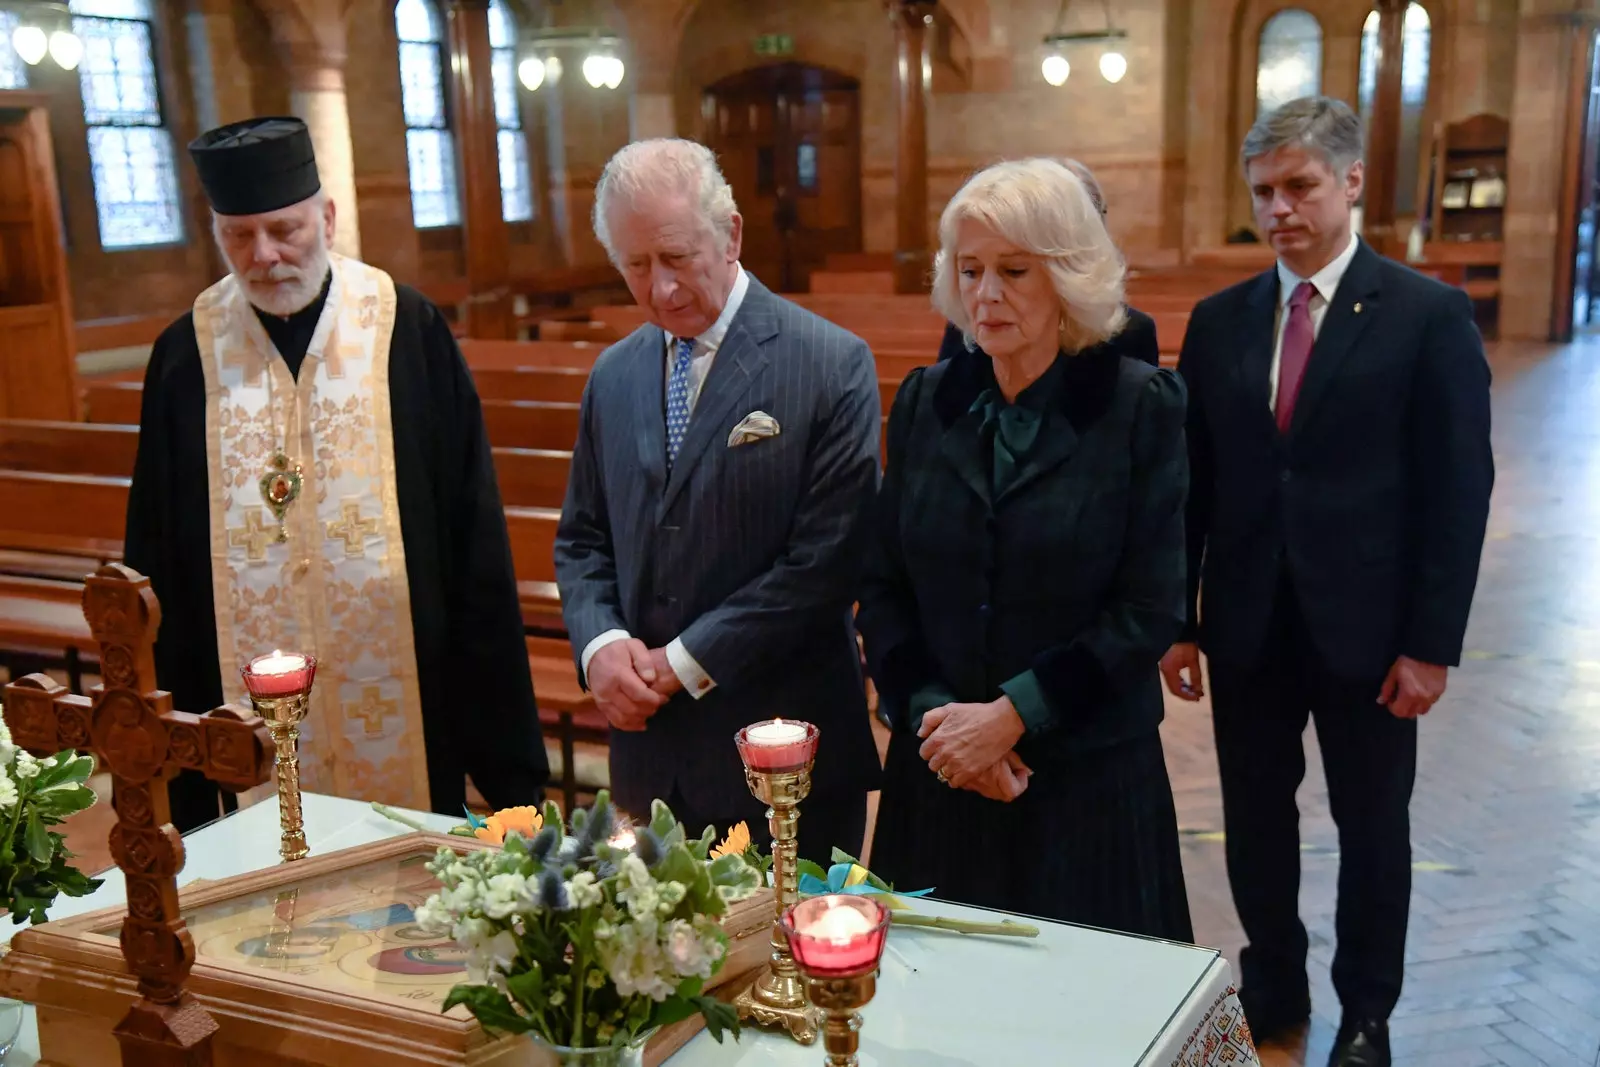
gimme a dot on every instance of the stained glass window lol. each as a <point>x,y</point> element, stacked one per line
<point>1289,61</point>
<point>13,71</point>
<point>430,151</point>
<point>130,150</point>
<point>516,196</point>
<point>1416,42</point>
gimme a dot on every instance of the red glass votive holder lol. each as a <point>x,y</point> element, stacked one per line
<point>837,936</point>
<point>281,674</point>
<point>777,745</point>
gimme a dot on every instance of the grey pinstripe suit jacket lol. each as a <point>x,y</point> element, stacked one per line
<point>750,554</point>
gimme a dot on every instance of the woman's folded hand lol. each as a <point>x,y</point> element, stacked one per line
<point>963,741</point>
<point>1005,781</point>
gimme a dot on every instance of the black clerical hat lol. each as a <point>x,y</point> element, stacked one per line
<point>256,165</point>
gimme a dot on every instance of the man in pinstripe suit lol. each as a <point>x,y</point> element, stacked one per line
<point>710,543</point>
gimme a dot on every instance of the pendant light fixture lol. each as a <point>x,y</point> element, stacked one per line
<point>1113,64</point>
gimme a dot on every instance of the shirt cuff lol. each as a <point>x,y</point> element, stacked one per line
<point>606,638</point>
<point>690,674</point>
<point>925,700</point>
<point>1027,696</point>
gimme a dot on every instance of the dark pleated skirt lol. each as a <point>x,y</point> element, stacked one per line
<point>1094,841</point>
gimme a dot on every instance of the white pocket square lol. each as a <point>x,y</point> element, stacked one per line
<point>753,427</point>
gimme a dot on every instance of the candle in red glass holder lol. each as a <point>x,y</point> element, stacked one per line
<point>835,936</point>
<point>777,745</point>
<point>282,674</point>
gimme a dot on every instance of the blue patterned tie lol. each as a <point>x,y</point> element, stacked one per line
<point>678,399</point>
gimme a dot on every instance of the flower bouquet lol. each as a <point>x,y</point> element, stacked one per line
<point>585,937</point>
<point>36,794</point>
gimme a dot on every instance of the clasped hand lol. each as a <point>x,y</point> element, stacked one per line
<point>971,746</point>
<point>630,682</point>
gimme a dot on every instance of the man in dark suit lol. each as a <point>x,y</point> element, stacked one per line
<point>715,520</point>
<point>1339,443</point>
<point>1137,340</point>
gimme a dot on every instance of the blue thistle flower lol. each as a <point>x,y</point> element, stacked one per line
<point>553,894</point>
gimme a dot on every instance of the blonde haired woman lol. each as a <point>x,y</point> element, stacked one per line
<point>1027,575</point>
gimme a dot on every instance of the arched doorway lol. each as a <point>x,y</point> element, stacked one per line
<point>788,137</point>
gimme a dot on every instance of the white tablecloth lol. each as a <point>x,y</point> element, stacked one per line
<point>1073,996</point>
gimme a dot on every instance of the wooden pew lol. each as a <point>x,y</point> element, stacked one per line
<point>562,385</point>
<point>513,355</point>
<point>531,477</point>
<point>68,447</point>
<point>113,401</point>
<point>852,281</point>
<point>531,424</point>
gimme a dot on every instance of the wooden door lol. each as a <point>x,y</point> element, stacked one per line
<point>38,378</point>
<point>789,140</point>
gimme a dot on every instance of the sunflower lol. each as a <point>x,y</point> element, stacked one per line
<point>735,844</point>
<point>524,820</point>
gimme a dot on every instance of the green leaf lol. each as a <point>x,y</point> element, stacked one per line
<point>63,800</point>
<point>528,988</point>
<point>805,867</point>
<point>720,1017</point>
<point>490,1007</point>
<point>552,815</point>
<point>41,843</point>
<point>672,1010</point>
<point>702,847</point>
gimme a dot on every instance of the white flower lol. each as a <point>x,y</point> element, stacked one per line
<point>461,898</point>
<point>27,766</point>
<point>508,894</point>
<point>583,891</point>
<point>672,894</point>
<point>685,949</point>
<point>634,959</point>
<point>639,892</point>
<point>8,793</point>
<point>433,916</point>
<point>494,957</point>
<point>557,998</point>
<point>471,931</point>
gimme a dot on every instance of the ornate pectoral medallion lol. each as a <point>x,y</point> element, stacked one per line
<point>280,487</point>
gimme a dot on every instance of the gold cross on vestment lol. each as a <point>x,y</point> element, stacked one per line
<point>352,529</point>
<point>253,536</point>
<point>334,356</point>
<point>247,355</point>
<point>372,710</point>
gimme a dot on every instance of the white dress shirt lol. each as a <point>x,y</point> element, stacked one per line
<point>692,676</point>
<point>1326,283</point>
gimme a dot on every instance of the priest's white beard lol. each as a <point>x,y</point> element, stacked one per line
<point>282,289</point>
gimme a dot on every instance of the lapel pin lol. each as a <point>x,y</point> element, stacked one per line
<point>1358,307</point>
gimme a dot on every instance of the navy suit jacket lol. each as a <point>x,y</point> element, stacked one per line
<point>1136,341</point>
<point>1375,500</point>
<point>749,553</point>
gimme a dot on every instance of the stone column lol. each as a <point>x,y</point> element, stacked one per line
<point>1546,137</point>
<point>316,95</point>
<point>221,75</point>
<point>911,19</point>
<point>651,115</point>
<point>486,241</point>
<point>1383,136</point>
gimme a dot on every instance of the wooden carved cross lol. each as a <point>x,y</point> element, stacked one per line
<point>131,729</point>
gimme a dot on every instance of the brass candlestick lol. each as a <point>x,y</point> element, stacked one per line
<point>780,778</point>
<point>282,699</point>
<point>840,1000</point>
<point>838,942</point>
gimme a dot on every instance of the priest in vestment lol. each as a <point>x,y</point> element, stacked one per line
<point>314,476</point>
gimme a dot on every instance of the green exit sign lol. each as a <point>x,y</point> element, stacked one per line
<point>774,44</point>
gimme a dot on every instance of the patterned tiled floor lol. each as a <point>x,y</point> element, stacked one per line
<point>1504,953</point>
<point>1505,944</point>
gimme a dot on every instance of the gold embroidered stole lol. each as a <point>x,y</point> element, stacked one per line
<point>337,588</point>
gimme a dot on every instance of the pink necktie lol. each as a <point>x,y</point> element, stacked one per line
<point>1297,340</point>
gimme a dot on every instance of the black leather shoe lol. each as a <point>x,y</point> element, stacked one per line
<point>1361,1043</point>
<point>1273,1015</point>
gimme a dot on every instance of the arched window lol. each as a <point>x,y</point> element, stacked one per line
<point>130,149</point>
<point>13,71</point>
<point>430,151</point>
<point>1415,44</point>
<point>516,194</point>
<point>1289,60</point>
